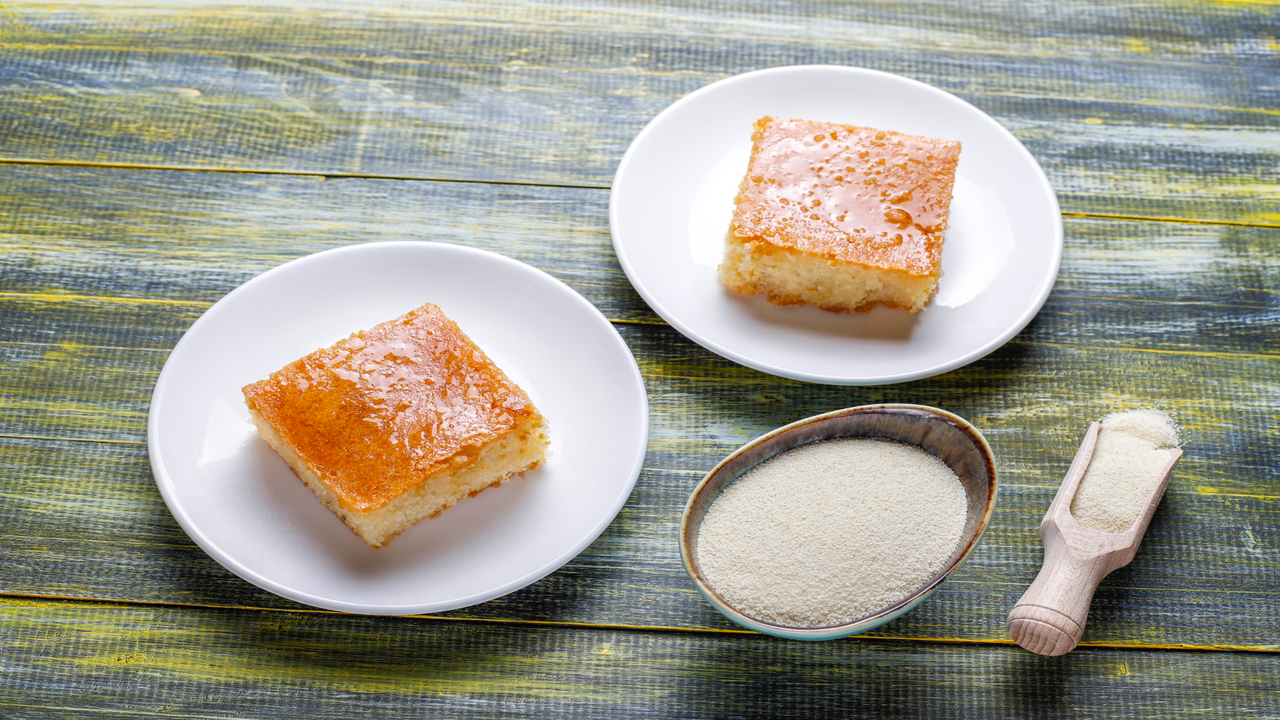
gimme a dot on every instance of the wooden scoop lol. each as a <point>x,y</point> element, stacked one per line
<point>1049,618</point>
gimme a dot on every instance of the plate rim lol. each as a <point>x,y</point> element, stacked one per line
<point>166,484</point>
<point>998,341</point>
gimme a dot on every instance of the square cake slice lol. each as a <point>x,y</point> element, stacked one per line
<point>397,423</point>
<point>840,216</point>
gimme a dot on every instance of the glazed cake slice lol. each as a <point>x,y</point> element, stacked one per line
<point>397,423</point>
<point>840,216</point>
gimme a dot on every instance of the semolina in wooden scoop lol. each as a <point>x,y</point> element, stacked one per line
<point>1095,524</point>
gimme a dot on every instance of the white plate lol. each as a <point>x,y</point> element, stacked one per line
<point>673,197</point>
<point>240,502</point>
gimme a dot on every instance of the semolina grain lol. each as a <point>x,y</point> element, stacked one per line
<point>1127,465</point>
<point>832,531</point>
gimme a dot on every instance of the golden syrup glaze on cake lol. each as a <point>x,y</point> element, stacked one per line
<point>376,413</point>
<point>873,197</point>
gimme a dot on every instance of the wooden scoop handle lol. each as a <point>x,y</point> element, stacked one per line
<point>1050,617</point>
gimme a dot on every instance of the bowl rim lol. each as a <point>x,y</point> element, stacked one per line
<point>886,614</point>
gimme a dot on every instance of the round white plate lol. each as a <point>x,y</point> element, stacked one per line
<point>673,198</point>
<point>240,502</point>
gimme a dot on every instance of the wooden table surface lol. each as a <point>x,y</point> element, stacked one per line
<point>155,155</point>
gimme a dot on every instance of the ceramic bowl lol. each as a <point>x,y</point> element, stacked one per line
<point>947,436</point>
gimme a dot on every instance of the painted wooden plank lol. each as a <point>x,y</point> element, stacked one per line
<point>579,34</point>
<point>93,385</point>
<point>104,269</point>
<point>135,237</point>
<point>84,368</point>
<point>191,237</point>
<point>697,420</point>
<point>84,520</point>
<point>102,289</point>
<point>1130,113</point>
<point>83,660</point>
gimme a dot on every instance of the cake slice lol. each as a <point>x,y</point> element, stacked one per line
<point>397,423</point>
<point>840,216</point>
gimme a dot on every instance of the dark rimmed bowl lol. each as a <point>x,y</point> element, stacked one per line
<point>947,436</point>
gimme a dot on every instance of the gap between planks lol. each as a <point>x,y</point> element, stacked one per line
<point>327,175</point>
<point>520,183</point>
<point>33,599</point>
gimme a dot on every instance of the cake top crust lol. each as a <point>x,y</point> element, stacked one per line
<point>378,412</point>
<point>874,197</point>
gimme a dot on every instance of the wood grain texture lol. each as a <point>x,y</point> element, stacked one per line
<point>1130,109</point>
<point>1164,110</point>
<point>85,520</point>
<point>83,660</point>
<point>100,391</point>
<point>132,238</point>
<point>105,268</point>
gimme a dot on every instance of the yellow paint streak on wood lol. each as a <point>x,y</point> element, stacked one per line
<point>73,439</point>
<point>479,676</point>
<point>87,409</point>
<point>63,352</point>
<point>1184,353</point>
<point>63,298</point>
<point>81,711</point>
<point>1165,218</point>
<point>191,660</point>
<point>72,249</point>
<point>1198,353</point>
<point>1136,45</point>
<point>1217,492</point>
